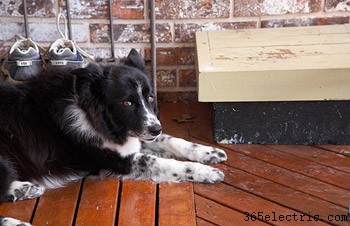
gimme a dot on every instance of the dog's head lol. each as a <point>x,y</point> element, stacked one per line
<point>127,98</point>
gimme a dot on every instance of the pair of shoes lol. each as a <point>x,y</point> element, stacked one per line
<point>24,60</point>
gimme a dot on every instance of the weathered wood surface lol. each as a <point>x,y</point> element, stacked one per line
<point>286,185</point>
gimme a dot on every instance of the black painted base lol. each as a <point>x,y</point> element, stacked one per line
<point>308,122</point>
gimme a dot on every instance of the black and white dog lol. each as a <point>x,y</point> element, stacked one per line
<point>63,126</point>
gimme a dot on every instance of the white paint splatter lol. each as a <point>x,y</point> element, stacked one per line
<point>275,7</point>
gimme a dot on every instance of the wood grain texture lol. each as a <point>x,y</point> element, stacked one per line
<point>98,203</point>
<point>57,206</point>
<point>176,204</point>
<point>138,203</point>
<point>22,210</point>
<point>221,215</point>
<point>284,180</point>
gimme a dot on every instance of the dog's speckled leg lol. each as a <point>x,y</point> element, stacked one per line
<point>170,170</point>
<point>168,147</point>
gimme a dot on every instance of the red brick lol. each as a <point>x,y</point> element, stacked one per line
<point>337,5</point>
<point>128,9</point>
<point>166,78</point>
<point>105,53</point>
<point>36,8</point>
<point>122,9</point>
<point>190,9</point>
<point>304,22</point>
<point>187,78</point>
<point>177,97</point>
<point>272,7</point>
<point>174,56</point>
<point>129,33</point>
<point>185,32</point>
<point>10,29</point>
<point>47,32</point>
<point>99,33</point>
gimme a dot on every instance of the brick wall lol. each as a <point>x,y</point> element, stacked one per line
<point>177,21</point>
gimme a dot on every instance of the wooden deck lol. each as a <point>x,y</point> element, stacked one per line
<point>278,185</point>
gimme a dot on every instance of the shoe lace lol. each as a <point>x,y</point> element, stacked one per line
<point>65,35</point>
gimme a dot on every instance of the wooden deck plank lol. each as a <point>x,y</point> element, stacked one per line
<point>330,159</point>
<point>341,149</point>
<point>202,222</point>
<point>258,178</point>
<point>22,210</point>
<point>138,203</point>
<point>170,112</point>
<point>221,215</point>
<point>176,204</point>
<point>201,112</point>
<point>286,177</point>
<point>243,201</point>
<point>57,206</point>
<point>98,203</point>
<point>296,164</point>
<point>281,194</point>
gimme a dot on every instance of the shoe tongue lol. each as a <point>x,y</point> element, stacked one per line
<point>26,54</point>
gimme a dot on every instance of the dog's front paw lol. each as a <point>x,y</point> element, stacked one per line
<point>205,174</point>
<point>7,221</point>
<point>209,155</point>
<point>24,190</point>
<point>215,155</point>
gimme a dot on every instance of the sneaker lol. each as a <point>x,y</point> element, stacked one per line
<point>65,53</point>
<point>23,61</point>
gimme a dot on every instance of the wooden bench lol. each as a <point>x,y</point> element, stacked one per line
<point>274,64</point>
<point>270,85</point>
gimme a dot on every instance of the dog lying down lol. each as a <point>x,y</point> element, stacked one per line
<point>63,126</point>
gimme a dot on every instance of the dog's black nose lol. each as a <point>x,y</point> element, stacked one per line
<point>155,129</point>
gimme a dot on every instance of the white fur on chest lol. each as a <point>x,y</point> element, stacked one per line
<point>132,146</point>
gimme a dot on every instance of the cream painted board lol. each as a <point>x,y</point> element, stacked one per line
<point>284,31</point>
<point>304,85</point>
<point>284,64</point>
<point>316,62</point>
<point>278,41</point>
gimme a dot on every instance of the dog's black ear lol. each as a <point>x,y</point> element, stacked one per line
<point>135,60</point>
<point>92,71</point>
<point>89,78</point>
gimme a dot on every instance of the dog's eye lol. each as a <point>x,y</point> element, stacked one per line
<point>127,103</point>
<point>150,99</point>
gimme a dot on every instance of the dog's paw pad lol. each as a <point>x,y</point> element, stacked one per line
<point>24,190</point>
<point>7,221</point>
<point>215,155</point>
